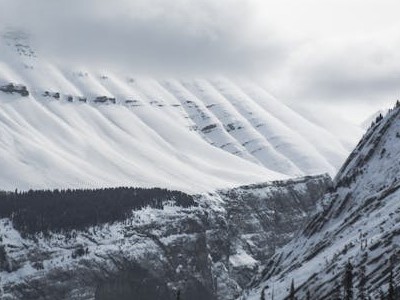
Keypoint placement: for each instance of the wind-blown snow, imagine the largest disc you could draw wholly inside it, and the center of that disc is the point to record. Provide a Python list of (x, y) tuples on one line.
[(192, 134)]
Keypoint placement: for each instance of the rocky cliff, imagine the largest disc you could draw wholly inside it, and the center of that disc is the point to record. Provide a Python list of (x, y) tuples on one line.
[(359, 225), (209, 250)]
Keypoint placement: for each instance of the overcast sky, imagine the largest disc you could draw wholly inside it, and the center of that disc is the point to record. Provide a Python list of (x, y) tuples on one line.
[(330, 53)]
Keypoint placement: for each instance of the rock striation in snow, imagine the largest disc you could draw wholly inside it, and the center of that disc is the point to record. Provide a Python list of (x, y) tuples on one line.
[(358, 224), (75, 126)]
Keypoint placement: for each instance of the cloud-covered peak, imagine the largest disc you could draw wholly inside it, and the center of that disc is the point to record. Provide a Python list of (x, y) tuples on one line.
[(166, 36), (331, 52)]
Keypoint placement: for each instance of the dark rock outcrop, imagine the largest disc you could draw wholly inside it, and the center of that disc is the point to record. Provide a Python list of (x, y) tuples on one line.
[(12, 88)]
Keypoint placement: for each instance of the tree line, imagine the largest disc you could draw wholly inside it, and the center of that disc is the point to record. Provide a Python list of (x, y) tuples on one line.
[(346, 290), (64, 210)]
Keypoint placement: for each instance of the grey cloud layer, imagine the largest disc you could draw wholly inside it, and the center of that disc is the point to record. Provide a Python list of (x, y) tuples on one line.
[(199, 36), (356, 69), (212, 36)]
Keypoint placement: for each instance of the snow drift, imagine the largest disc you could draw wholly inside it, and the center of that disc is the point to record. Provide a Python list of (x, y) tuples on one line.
[(74, 126)]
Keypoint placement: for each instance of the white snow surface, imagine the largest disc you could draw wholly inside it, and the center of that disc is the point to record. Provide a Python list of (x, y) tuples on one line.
[(360, 224), (193, 135)]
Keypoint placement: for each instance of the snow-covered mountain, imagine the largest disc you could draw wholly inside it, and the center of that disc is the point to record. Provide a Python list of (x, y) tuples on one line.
[(359, 224), (75, 126), (368, 121), (206, 246)]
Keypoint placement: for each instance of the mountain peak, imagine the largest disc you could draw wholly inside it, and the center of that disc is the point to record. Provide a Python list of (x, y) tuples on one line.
[(378, 144), (78, 126), (359, 224)]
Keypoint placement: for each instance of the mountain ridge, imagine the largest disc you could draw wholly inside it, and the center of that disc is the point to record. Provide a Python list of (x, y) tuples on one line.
[(206, 246), (80, 127), (359, 224)]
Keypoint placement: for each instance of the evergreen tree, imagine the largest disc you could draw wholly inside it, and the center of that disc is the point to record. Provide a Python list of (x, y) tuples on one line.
[(308, 296), (391, 289), (292, 292), (361, 284), (262, 297), (379, 118), (348, 282)]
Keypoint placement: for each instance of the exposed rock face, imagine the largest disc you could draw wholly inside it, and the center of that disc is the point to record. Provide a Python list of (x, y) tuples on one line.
[(209, 251), (360, 224), (15, 88), (263, 218)]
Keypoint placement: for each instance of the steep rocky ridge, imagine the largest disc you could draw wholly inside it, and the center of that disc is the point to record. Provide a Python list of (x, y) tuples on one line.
[(359, 224), (207, 251)]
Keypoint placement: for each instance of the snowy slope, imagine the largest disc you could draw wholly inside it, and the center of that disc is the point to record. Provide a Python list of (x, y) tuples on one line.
[(368, 121), (81, 127), (213, 244), (359, 223)]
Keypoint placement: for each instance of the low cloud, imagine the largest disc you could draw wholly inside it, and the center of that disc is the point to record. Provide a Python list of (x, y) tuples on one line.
[(179, 35), (357, 69), (313, 52)]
